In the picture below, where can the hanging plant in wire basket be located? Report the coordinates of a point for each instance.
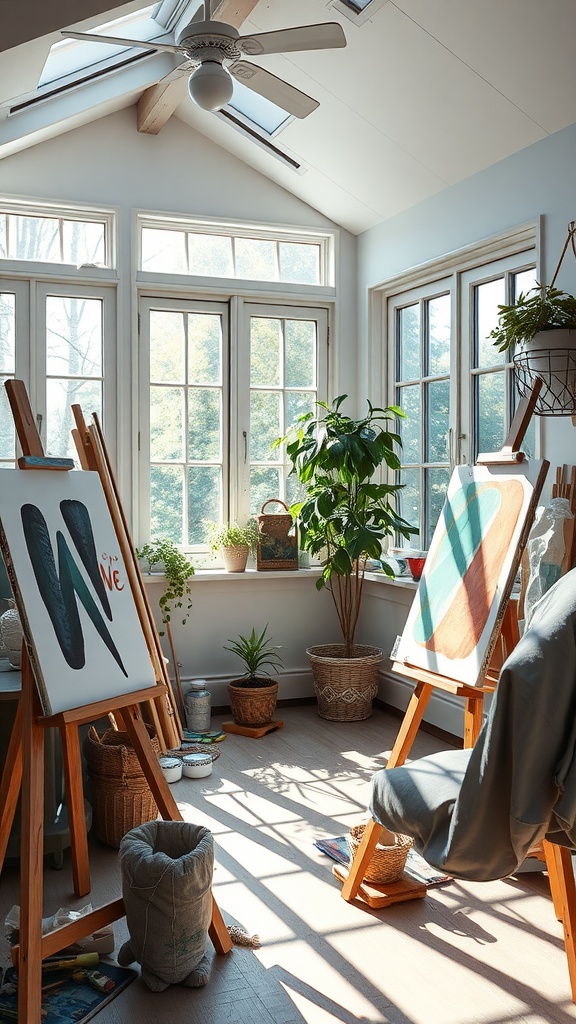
(540, 327)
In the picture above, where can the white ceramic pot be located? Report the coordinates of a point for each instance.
(235, 558)
(551, 356)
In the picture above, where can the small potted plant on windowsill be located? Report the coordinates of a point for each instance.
(176, 595)
(234, 542)
(540, 331)
(253, 697)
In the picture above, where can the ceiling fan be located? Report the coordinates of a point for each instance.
(215, 52)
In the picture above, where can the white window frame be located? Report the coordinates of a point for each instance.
(326, 240)
(147, 304)
(236, 427)
(34, 208)
(461, 268)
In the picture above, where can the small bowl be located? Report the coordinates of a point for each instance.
(416, 566)
(171, 768)
(197, 766)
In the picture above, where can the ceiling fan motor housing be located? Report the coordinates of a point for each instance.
(210, 40)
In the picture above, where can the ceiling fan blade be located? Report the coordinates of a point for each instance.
(273, 89)
(286, 40)
(90, 37)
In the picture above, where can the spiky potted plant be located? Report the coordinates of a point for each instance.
(253, 697)
(344, 518)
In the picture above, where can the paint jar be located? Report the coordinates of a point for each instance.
(197, 766)
(171, 768)
(197, 707)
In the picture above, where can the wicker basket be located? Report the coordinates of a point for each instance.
(252, 705)
(121, 796)
(277, 539)
(387, 862)
(345, 687)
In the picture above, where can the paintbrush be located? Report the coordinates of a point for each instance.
(71, 964)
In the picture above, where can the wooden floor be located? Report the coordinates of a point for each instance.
(490, 953)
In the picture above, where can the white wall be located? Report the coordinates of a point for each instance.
(109, 163)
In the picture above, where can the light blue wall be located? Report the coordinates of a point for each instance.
(538, 182)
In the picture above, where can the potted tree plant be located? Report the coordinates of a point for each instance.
(540, 329)
(343, 519)
(253, 697)
(176, 595)
(234, 542)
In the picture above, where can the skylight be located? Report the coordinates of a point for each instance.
(259, 111)
(72, 57)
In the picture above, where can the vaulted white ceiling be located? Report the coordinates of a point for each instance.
(425, 94)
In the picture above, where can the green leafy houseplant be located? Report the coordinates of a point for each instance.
(544, 308)
(231, 535)
(256, 652)
(346, 514)
(177, 570)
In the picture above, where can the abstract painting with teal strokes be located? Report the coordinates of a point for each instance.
(71, 588)
(468, 570)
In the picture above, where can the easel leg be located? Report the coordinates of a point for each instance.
(473, 718)
(218, 931)
(31, 855)
(75, 804)
(561, 875)
(410, 724)
(358, 866)
(11, 783)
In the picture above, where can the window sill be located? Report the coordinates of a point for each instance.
(212, 575)
(405, 582)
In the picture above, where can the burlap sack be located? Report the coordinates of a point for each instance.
(167, 869)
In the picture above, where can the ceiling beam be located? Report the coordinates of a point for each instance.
(159, 102)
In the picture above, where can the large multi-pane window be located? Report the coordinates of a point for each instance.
(217, 398)
(456, 389)
(73, 343)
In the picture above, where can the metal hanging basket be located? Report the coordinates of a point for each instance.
(550, 356)
(556, 368)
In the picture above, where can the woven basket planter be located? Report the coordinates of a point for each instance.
(345, 687)
(252, 705)
(121, 796)
(388, 862)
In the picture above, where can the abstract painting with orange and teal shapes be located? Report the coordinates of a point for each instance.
(469, 569)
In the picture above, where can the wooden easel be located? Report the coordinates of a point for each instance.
(24, 775)
(504, 639)
(558, 859)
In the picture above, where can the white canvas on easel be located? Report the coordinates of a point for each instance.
(71, 588)
(469, 570)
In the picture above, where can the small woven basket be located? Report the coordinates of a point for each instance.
(345, 687)
(252, 706)
(121, 796)
(387, 862)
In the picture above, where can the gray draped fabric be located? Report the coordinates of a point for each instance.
(476, 813)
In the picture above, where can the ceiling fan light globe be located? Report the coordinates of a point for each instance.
(211, 86)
